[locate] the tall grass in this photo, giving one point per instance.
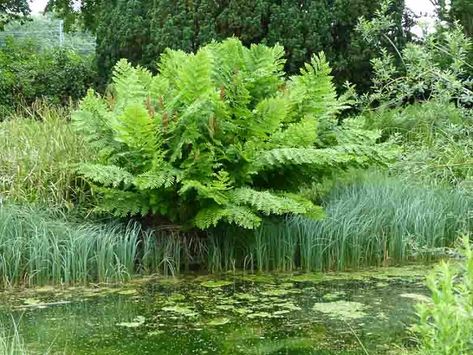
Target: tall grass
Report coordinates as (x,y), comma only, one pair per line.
(37,248)
(11,343)
(37,155)
(375,221)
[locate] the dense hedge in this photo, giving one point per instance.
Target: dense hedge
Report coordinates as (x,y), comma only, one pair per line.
(29,73)
(141,30)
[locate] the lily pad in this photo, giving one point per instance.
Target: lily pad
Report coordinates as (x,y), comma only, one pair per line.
(276,292)
(417,297)
(259,315)
(333,296)
(128,292)
(177,297)
(31,301)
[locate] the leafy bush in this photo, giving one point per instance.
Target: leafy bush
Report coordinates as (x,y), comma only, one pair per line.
(446,324)
(37,160)
(437,141)
(219,135)
(436,68)
(28,74)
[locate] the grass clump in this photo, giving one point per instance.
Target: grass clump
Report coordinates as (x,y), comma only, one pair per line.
(375,221)
(11,342)
(39,248)
(37,159)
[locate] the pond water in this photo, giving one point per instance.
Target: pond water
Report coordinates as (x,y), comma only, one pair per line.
(346,313)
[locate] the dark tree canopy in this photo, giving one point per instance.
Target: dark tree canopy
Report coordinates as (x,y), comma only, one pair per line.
(141,30)
(12,10)
(462,11)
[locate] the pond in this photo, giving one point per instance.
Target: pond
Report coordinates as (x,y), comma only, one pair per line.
(345,313)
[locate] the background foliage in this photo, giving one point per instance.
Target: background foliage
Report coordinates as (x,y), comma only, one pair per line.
(140,30)
(37,160)
(29,73)
(11,10)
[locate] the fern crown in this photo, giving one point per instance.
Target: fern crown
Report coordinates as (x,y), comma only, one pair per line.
(218,136)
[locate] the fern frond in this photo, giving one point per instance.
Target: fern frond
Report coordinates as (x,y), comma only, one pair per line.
(129,88)
(266,202)
(269,116)
(163,175)
(92,121)
(122,203)
(238,215)
(313,92)
(299,134)
(106,175)
(312,211)
(215,190)
(299,156)
(135,128)
(195,77)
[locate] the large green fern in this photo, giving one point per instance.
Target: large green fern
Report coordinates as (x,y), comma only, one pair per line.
(218,136)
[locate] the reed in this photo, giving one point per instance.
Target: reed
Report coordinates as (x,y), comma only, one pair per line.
(373,221)
(38,248)
(37,159)
(11,342)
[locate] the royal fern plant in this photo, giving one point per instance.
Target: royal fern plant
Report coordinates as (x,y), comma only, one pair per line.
(219,136)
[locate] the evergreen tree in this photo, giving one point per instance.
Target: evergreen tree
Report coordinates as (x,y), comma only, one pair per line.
(141,30)
(462,11)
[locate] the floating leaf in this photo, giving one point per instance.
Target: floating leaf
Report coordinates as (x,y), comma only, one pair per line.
(341,309)
(128,292)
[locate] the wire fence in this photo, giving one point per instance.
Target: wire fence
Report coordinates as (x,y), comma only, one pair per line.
(49,33)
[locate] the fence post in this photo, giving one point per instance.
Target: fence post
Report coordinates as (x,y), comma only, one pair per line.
(61,33)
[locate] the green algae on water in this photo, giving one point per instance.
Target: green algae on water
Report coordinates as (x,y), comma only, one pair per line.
(341,309)
(216,283)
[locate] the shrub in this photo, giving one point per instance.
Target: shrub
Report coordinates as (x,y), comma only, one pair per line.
(446,324)
(219,135)
(28,73)
(38,158)
(436,68)
(437,141)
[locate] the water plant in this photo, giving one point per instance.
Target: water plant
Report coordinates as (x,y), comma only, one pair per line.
(446,323)
(11,342)
(374,220)
(38,247)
